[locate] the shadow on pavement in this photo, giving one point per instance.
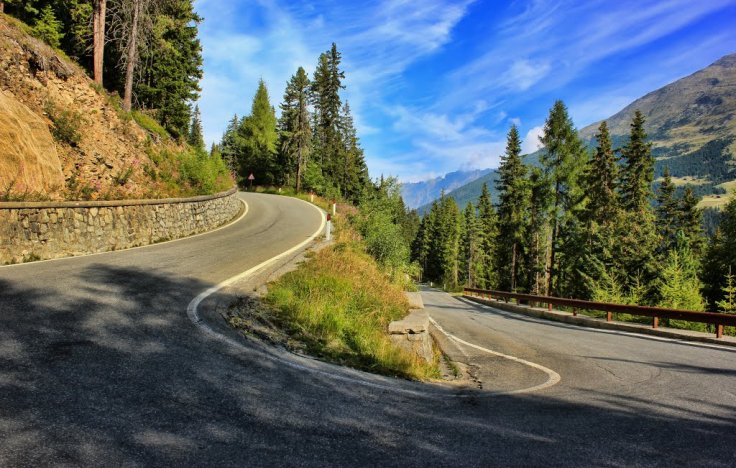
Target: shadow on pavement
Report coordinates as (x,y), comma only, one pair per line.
(114,373)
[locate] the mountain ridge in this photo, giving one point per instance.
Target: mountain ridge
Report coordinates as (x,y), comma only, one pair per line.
(691,124)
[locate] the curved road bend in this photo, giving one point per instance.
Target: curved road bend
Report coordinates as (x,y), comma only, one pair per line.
(100,365)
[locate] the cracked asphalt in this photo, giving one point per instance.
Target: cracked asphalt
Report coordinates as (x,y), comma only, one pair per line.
(100,365)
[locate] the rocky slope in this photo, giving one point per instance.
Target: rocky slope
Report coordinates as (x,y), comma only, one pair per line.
(107,154)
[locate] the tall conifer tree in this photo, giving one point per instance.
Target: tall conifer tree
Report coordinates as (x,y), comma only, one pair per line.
(563,159)
(514,194)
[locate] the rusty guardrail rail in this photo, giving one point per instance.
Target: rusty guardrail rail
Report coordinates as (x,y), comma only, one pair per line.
(719,320)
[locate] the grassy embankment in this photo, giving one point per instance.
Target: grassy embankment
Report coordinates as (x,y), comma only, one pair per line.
(339,304)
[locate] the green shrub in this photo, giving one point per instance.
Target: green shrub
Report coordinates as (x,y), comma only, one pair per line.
(150,124)
(67,123)
(48,28)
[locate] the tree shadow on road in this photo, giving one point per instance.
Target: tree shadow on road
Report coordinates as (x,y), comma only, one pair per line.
(114,373)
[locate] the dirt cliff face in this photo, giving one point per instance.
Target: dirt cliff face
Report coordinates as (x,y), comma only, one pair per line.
(28,158)
(111,148)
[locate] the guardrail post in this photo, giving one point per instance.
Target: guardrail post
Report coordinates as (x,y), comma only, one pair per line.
(609,316)
(655,322)
(719,331)
(574,311)
(549,306)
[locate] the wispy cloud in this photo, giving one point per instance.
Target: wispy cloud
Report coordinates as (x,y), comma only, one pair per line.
(429,94)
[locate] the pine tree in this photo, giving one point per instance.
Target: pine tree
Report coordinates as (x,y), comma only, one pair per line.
(690,221)
(563,159)
(636,229)
(230,144)
(590,251)
(667,212)
(679,286)
(471,263)
(195,137)
(599,181)
(638,171)
(720,256)
(488,224)
(728,304)
(514,194)
(326,87)
(170,66)
(259,138)
(295,129)
(48,27)
(538,233)
(352,170)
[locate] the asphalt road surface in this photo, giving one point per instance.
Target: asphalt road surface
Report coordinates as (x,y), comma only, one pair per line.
(101,366)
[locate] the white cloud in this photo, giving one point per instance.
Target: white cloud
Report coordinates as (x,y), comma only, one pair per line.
(531,140)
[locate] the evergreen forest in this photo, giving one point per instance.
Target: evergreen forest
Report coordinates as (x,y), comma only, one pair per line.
(585,224)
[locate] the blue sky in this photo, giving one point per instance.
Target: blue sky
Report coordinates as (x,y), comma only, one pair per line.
(435,84)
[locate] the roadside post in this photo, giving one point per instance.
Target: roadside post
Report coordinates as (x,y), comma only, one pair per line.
(334,207)
(250,182)
(311,197)
(328,227)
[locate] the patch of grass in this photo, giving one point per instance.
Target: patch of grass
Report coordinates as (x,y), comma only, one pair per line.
(67,123)
(339,304)
(184,173)
(150,124)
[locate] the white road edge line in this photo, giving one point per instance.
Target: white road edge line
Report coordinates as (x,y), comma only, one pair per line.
(156,244)
(194,317)
(553,378)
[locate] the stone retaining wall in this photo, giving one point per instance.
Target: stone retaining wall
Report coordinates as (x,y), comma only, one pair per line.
(44,230)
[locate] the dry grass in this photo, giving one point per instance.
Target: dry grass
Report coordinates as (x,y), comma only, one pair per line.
(340,303)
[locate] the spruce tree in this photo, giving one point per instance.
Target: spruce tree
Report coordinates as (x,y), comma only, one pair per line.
(599,181)
(563,159)
(259,138)
(326,86)
(48,27)
(690,221)
(195,138)
(667,212)
(352,172)
(638,171)
(636,230)
(728,303)
(679,286)
(593,273)
(471,258)
(538,233)
(514,194)
(488,225)
(295,129)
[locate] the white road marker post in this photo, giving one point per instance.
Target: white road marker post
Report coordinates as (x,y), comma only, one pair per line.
(328,227)
(334,207)
(311,197)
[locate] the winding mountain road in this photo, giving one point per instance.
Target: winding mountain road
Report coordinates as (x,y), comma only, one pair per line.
(100,364)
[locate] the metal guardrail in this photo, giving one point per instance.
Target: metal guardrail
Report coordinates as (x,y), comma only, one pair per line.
(656,313)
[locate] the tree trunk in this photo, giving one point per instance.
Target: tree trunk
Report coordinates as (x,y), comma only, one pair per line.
(132,57)
(513,267)
(299,169)
(98,24)
(2,7)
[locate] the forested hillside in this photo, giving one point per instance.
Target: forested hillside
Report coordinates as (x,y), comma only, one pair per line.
(133,131)
(691,124)
(583,225)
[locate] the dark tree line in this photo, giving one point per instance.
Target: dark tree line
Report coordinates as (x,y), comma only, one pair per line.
(146,51)
(586,224)
(312,146)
